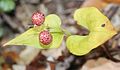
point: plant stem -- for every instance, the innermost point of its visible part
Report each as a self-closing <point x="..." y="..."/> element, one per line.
<point x="106" y="50"/>
<point x="53" y="30"/>
<point x="67" y="32"/>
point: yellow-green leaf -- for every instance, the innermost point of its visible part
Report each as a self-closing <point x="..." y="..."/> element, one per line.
<point x="100" y="31"/>
<point x="30" y="38"/>
<point x="52" y="21"/>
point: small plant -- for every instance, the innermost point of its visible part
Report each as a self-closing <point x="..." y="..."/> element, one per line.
<point x="91" y="18"/>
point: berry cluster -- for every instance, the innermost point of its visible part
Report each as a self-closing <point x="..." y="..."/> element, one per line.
<point x="45" y="36"/>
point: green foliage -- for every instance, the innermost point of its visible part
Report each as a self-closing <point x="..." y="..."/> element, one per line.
<point x="6" y="5"/>
<point x="52" y="21"/>
<point x="91" y="18"/>
<point x="31" y="36"/>
<point x="100" y="31"/>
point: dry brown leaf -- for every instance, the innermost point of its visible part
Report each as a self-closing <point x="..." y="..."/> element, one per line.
<point x="112" y="1"/>
<point x="6" y="67"/>
<point x="12" y="55"/>
<point x="95" y="3"/>
<point x="100" y="4"/>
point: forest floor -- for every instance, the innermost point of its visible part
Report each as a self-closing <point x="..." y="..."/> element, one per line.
<point x="29" y="58"/>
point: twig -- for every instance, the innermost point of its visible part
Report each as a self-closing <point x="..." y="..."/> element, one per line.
<point x="106" y="50"/>
<point x="13" y="25"/>
<point x="111" y="12"/>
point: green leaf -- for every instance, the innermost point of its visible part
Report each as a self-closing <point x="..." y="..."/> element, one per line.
<point x="99" y="26"/>
<point x="31" y="37"/>
<point x="7" y="5"/>
<point x="76" y="44"/>
<point x="52" y="21"/>
<point x="57" y="40"/>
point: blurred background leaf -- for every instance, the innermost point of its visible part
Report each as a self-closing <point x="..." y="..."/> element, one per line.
<point x="6" y="5"/>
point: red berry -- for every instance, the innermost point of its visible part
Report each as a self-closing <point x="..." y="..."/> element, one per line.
<point x="45" y="37"/>
<point x="38" y="18"/>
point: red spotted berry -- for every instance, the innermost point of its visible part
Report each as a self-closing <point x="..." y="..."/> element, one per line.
<point x="45" y="37"/>
<point x="38" y="18"/>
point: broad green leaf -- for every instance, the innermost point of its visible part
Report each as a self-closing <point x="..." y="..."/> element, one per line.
<point x="100" y="31"/>
<point x="74" y="43"/>
<point x="7" y="5"/>
<point x="52" y="21"/>
<point x="57" y="40"/>
<point x="31" y="37"/>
